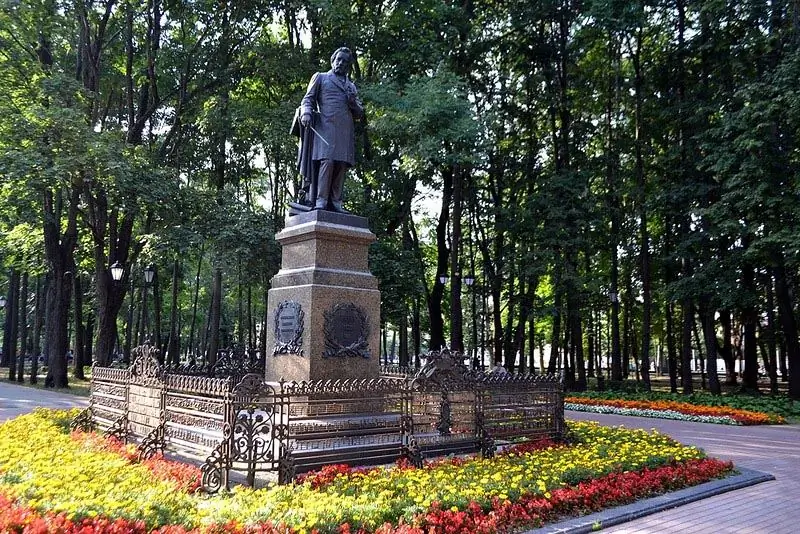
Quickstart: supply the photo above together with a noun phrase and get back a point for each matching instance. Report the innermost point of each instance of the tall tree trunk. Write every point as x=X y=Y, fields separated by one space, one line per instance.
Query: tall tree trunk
x=10 y=327
x=700 y=359
x=88 y=352
x=58 y=298
x=749 y=319
x=612 y=177
x=789 y=325
x=112 y=235
x=6 y=325
x=214 y=317
x=552 y=365
x=80 y=344
x=645 y=236
x=59 y=253
x=190 y=348
x=251 y=327
x=726 y=351
x=629 y=322
x=771 y=335
x=240 y=329
x=38 y=320
x=525 y=312
x=672 y=353
x=456 y=313
x=416 y=327
x=515 y=288
x=126 y=351
x=403 y=360
x=576 y=337
x=173 y=347
x=710 y=337
x=157 y=314
x=687 y=312
x=24 y=345
x=437 y=339
x=265 y=323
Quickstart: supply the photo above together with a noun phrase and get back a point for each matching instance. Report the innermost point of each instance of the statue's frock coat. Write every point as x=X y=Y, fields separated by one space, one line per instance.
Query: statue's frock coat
x=327 y=101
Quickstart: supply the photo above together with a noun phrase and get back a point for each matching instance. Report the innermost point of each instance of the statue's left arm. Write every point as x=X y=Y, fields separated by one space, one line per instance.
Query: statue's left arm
x=353 y=102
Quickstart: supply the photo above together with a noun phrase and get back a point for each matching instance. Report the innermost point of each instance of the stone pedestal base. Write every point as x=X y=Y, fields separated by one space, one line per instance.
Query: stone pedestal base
x=324 y=303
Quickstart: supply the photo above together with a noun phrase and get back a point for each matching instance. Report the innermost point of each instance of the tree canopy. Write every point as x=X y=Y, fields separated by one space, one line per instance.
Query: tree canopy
x=616 y=182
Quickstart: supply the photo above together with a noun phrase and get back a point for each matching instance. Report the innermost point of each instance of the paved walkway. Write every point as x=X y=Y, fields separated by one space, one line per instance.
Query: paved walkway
x=766 y=508
x=17 y=400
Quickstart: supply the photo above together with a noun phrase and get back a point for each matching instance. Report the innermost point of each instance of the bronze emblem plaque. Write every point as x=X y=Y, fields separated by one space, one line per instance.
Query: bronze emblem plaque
x=346 y=332
x=289 y=317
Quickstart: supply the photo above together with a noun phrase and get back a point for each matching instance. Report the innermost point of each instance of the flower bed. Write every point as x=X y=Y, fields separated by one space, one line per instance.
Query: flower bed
x=53 y=482
x=666 y=409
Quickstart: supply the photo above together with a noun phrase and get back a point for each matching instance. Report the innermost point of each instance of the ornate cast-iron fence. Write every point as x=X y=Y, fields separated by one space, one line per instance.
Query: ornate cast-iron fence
x=241 y=423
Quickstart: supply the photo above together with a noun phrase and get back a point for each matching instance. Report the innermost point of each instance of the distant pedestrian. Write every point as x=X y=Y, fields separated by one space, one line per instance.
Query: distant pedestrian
x=498 y=369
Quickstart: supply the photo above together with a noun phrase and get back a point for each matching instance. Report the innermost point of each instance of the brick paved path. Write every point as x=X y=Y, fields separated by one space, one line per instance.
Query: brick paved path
x=767 y=508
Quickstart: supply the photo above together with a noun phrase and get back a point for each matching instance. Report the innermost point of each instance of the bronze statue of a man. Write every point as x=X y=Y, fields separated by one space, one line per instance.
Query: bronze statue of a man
x=327 y=132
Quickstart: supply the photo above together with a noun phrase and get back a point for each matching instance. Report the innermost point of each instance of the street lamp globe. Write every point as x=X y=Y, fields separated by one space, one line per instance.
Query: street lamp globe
x=116 y=271
x=2 y=301
x=149 y=271
x=469 y=279
x=443 y=278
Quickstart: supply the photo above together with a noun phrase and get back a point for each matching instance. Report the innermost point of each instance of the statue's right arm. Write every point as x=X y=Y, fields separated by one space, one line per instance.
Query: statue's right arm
x=309 y=102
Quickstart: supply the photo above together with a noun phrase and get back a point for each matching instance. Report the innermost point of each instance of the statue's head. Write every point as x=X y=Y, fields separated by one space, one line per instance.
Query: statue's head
x=341 y=60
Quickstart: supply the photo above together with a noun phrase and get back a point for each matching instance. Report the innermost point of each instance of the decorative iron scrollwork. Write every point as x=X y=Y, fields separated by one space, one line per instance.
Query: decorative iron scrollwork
x=413 y=454
x=83 y=421
x=214 y=471
x=406 y=424
x=488 y=447
x=286 y=468
x=289 y=325
x=346 y=332
x=252 y=385
x=444 y=369
x=252 y=437
x=366 y=386
x=236 y=361
x=152 y=443
x=146 y=366
x=119 y=430
x=445 y=420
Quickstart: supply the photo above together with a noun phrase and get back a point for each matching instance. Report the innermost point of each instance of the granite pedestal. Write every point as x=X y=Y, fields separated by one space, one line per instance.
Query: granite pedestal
x=324 y=303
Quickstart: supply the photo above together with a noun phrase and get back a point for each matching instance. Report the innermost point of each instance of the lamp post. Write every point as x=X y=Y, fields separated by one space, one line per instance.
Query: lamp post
x=3 y=303
x=149 y=272
x=116 y=271
x=4 y=337
x=469 y=280
x=443 y=279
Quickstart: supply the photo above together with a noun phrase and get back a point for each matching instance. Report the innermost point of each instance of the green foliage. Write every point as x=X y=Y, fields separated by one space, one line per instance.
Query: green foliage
x=426 y=122
x=399 y=278
x=576 y=475
x=535 y=108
